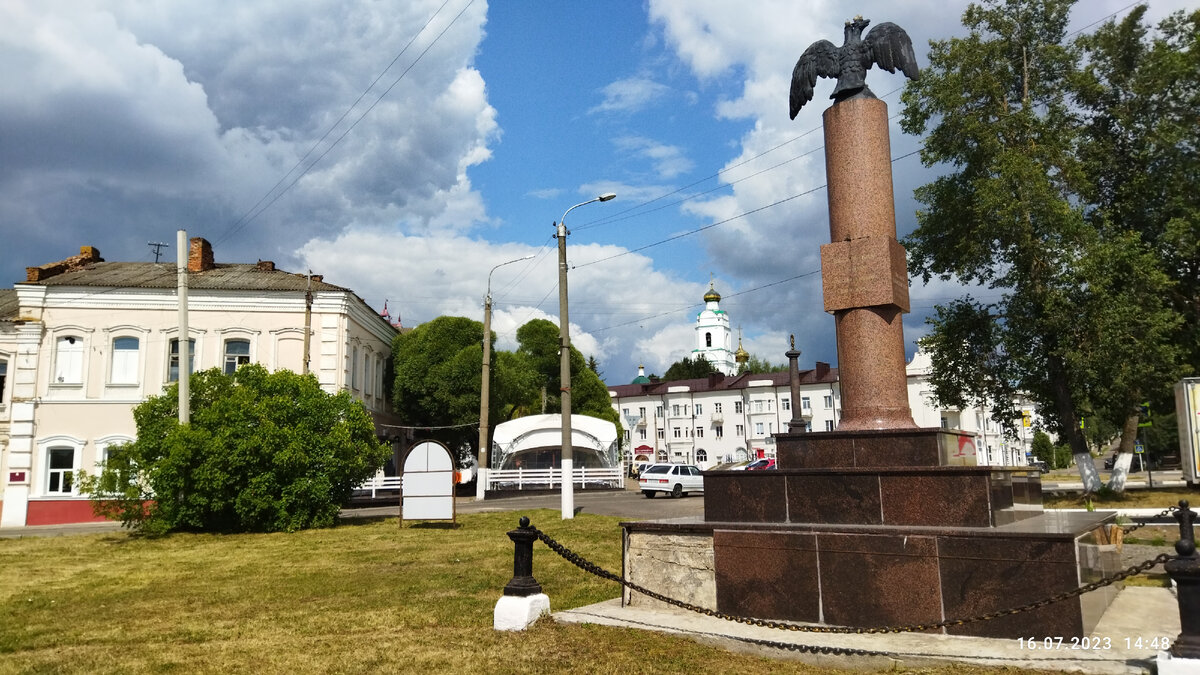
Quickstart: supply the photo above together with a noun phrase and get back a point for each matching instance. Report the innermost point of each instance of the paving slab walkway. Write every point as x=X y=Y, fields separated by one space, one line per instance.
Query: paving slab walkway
x=1122 y=640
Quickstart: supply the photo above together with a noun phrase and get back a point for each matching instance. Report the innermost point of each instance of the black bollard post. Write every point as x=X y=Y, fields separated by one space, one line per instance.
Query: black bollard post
x=523 y=584
x=1185 y=572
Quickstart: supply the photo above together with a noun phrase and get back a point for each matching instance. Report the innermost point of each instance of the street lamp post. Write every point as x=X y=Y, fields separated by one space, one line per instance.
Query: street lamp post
x=564 y=353
x=485 y=384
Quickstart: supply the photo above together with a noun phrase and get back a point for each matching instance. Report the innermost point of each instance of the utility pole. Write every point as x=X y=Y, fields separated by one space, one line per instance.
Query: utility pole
x=158 y=246
x=564 y=338
x=308 y=299
x=485 y=386
x=185 y=393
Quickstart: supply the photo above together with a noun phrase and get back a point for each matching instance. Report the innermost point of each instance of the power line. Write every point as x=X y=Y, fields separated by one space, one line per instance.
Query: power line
x=250 y=215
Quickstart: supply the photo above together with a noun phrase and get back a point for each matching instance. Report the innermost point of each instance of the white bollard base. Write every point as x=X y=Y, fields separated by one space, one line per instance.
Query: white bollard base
x=1173 y=665
x=514 y=613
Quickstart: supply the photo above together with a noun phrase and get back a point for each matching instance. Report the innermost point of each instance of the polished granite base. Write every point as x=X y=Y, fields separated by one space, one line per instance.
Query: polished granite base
x=873 y=528
x=871 y=575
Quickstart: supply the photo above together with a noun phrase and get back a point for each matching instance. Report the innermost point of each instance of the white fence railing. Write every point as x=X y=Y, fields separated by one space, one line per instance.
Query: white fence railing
x=380 y=483
x=542 y=479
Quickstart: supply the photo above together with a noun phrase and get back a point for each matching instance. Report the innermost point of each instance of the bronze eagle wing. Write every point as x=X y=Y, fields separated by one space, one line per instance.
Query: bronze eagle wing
x=819 y=60
x=890 y=47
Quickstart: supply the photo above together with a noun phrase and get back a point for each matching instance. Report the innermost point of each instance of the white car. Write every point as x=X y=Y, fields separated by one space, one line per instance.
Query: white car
x=674 y=479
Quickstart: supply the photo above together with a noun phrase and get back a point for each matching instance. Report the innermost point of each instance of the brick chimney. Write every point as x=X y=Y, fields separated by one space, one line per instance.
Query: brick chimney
x=822 y=371
x=87 y=256
x=200 y=255
x=266 y=265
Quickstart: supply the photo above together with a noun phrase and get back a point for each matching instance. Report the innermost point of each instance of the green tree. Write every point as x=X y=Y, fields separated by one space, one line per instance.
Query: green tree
x=1138 y=93
x=264 y=452
x=756 y=365
x=538 y=342
x=689 y=368
x=438 y=369
x=1011 y=215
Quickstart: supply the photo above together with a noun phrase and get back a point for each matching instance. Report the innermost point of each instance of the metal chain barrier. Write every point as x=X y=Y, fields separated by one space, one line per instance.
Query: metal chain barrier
x=590 y=567
x=1142 y=522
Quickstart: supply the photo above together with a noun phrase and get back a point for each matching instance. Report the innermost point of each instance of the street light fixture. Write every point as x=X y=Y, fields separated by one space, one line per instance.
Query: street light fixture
x=485 y=384
x=564 y=347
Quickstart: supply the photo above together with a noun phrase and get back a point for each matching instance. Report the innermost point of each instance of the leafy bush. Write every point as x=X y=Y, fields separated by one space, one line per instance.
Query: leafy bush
x=264 y=452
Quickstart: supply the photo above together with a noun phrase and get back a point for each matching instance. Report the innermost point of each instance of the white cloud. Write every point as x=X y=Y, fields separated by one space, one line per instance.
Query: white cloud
x=669 y=160
x=630 y=95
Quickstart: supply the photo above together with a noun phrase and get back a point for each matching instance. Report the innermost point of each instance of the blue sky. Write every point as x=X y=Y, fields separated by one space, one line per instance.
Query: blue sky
x=126 y=120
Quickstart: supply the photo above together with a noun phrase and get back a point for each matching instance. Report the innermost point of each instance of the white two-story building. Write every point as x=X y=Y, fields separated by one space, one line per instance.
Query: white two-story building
x=83 y=341
x=733 y=418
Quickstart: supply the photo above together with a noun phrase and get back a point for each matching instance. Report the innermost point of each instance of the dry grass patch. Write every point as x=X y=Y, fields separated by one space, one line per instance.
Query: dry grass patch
x=365 y=596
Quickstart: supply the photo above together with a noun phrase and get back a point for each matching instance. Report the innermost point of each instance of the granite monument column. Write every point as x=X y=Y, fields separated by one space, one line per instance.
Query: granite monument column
x=863 y=268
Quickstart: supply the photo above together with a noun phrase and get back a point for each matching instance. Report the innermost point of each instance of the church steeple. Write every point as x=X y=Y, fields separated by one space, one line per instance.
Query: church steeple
x=714 y=340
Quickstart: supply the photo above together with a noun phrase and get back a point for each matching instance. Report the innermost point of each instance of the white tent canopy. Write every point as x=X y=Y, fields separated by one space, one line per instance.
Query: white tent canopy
x=535 y=442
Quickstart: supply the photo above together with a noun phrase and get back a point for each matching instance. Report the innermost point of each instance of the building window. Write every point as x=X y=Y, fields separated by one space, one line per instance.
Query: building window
x=708 y=339
x=642 y=434
x=770 y=427
x=828 y=401
x=173 y=366
x=719 y=431
x=641 y=412
x=758 y=428
x=741 y=431
x=625 y=412
x=68 y=360
x=675 y=410
x=658 y=412
x=61 y=462
x=808 y=426
x=805 y=403
x=237 y=353
x=769 y=404
x=945 y=423
x=699 y=432
x=717 y=408
x=354 y=367
x=698 y=408
x=3 y=377
x=678 y=433
x=660 y=434
x=124 y=361
x=737 y=407
x=786 y=404
x=828 y=425
x=626 y=435
x=758 y=406
x=701 y=456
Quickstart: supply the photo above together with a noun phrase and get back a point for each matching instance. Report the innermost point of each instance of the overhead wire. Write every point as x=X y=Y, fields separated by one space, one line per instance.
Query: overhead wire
x=252 y=214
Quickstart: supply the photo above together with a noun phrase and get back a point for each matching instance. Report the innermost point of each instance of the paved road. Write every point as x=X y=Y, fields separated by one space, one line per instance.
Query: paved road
x=628 y=503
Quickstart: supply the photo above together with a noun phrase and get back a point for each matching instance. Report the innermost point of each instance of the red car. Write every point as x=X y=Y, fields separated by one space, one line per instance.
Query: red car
x=761 y=465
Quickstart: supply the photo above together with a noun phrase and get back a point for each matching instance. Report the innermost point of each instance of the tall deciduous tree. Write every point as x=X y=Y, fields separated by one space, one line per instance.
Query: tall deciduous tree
x=1082 y=324
x=264 y=452
x=538 y=342
x=994 y=109
x=438 y=369
x=1138 y=93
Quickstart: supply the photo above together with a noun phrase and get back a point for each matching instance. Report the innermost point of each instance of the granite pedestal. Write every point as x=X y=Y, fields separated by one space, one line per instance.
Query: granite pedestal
x=875 y=528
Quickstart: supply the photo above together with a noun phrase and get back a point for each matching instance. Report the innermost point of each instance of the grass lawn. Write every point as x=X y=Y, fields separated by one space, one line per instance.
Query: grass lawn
x=365 y=596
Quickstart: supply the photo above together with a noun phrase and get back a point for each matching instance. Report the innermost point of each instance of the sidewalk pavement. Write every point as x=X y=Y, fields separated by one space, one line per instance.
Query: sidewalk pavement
x=58 y=530
x=1121 y=643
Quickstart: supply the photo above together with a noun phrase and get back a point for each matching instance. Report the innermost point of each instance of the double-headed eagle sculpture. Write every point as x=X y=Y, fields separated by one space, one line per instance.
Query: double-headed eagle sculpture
x=886 y=45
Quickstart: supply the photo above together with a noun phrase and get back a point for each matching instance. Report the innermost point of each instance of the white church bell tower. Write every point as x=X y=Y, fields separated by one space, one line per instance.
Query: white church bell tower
x=714 y=339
